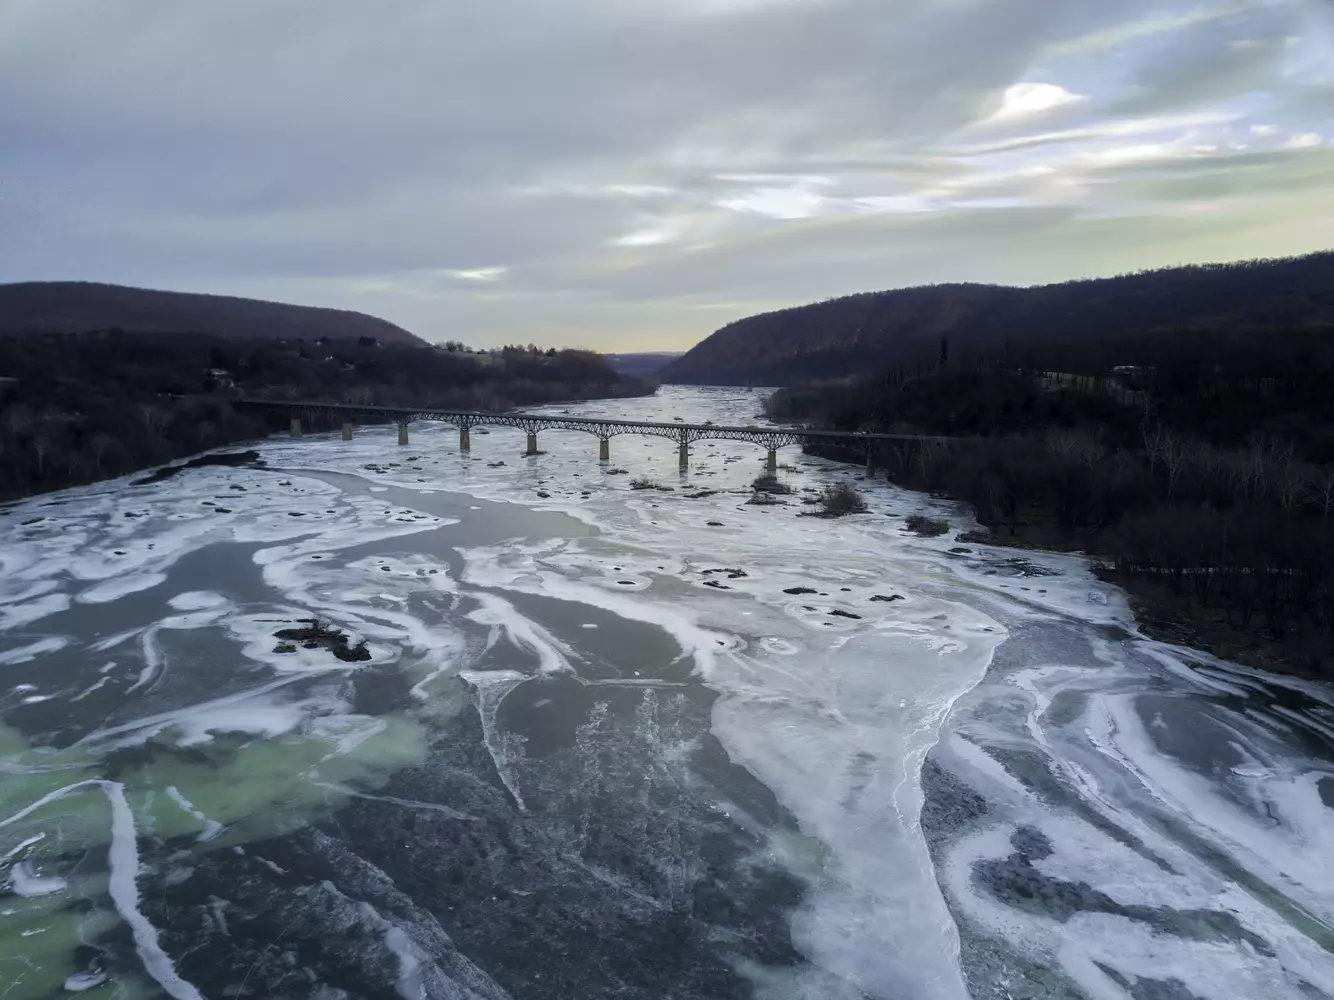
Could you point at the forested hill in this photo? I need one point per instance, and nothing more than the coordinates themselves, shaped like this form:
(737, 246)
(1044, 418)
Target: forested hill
(71, 307)
(848, 336)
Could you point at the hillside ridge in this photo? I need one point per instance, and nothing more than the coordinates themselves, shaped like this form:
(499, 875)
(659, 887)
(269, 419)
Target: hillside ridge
(844, 336)
(70, 307)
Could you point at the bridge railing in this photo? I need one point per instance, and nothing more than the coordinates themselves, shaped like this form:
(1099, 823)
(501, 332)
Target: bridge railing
(770, 437)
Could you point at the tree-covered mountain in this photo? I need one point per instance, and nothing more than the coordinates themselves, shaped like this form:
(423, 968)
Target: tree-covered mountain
(75, 307)
(851, 335)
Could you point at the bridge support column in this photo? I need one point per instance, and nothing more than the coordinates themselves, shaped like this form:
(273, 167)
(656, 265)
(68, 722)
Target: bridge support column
(402, 433)
(296, 427)
(684, 452)
(870, 465)
(771, 461)
(532, 445)
(604, 450)
(347, 432)
(465, 441)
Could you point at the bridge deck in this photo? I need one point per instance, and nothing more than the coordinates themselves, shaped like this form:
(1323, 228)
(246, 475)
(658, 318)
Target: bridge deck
(772, 436)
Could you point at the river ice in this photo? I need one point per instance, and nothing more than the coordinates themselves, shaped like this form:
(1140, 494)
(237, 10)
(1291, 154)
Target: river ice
(616, 742)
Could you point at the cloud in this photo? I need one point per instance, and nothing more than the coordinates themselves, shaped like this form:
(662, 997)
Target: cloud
(630, 173)
(1028, 100)
(480, 274)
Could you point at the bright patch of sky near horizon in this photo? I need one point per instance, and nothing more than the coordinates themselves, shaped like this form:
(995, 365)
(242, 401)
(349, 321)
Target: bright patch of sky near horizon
(630, 175)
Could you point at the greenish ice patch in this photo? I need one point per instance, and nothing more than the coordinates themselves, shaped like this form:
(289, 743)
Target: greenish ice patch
(186, 801)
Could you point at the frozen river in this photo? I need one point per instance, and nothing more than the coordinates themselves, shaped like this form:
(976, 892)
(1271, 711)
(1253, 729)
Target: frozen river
(622, 743)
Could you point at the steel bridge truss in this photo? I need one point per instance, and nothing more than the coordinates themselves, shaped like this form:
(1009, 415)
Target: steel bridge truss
(684, 434)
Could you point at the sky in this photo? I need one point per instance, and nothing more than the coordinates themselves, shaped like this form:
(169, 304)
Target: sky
(632, 174)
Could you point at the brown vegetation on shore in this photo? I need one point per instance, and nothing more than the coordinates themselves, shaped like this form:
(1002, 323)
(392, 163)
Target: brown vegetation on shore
(1204, 485)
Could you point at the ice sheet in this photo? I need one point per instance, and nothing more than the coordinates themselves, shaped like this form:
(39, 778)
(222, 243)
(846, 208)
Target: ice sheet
(844, 654)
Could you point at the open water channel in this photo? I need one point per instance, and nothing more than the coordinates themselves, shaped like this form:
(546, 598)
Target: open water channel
(622, 743)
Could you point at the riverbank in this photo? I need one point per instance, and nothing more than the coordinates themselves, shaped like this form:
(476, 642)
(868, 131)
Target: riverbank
(230, 428)
(1166, 613)
(84, 411)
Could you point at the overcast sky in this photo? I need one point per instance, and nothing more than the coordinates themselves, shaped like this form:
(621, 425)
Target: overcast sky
(632, 174)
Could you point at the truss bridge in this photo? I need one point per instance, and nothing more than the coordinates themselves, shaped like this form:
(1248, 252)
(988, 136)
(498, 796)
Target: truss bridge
(771, 438)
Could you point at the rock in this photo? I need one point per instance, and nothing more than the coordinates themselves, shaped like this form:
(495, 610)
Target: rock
(733, 573)
(839, 612)
(318, 635)
(960, 549)
(891, 597)
(714, 524)
(799, 590)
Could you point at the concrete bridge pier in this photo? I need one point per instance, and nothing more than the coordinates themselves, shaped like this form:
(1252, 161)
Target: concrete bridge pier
(532, 445)
(465, 440)
(771, 461)
(296, 427)
(403, 433)
(604, 450)
(347, 432)
(870, 465)
(684, 452)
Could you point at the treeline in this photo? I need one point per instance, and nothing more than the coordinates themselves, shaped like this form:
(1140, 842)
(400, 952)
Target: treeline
(77, 410)
(1201, 474)
(858, 333)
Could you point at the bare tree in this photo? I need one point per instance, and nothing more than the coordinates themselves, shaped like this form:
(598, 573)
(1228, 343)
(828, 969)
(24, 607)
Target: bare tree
(154, 418)
(1293, 483)
(42, 443)
(100, 445)
(1155, 440)
(1172, 452)
(1320, 490)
